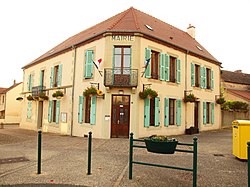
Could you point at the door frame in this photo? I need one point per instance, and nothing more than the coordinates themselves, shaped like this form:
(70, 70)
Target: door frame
(111, 121)
(196, 114)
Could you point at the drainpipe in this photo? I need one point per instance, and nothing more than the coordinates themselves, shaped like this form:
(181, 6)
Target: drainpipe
(186, 86)
(73, 90)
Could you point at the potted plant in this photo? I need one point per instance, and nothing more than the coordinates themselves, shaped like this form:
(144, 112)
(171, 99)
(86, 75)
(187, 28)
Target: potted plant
(190, 98)
(90, 91)
(43, 96)
(192, 130)
(148, 93)
(30, 98)
(161, 144)
(58, 94)
(220, 100)
(19, 98)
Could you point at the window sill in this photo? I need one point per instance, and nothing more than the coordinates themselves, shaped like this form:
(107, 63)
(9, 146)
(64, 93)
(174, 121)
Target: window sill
(53, 124)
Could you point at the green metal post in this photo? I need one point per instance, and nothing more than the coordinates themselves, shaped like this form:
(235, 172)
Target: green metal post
(248, 160)
(89, 153)
(39, 151)
(130, 155)
(195, 162)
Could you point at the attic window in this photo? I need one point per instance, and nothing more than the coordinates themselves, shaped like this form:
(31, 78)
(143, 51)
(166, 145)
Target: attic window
(148, 27)
(199, 48)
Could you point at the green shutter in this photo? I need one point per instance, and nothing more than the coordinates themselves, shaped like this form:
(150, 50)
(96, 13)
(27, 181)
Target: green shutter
(59, 77)
(88, 64)
(29, 82)
(80, 109)
(167, 73)
(57, 111)
(201, 76)
(157, 111)
(41, 79)
(166, 112)
(192, 74)
(178, 112)
(52, 77)
(204, 78)
(93, 110)
(178, 70)
(162, 66)
(146, 112)
(212, 113)
(148, 56)
(50, 111)
(212, 79)
(204, 113)
(29, 109)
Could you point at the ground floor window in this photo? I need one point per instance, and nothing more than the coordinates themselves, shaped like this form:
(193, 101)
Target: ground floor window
(87, 109)
(208, 113)
(151, 112)
(172, 111)
(54, 111)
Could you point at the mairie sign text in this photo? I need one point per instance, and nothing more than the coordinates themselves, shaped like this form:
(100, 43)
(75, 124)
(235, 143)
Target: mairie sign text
(122, 38)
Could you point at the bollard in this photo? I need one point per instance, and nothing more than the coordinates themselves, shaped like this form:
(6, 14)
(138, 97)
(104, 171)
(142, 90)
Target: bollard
(248, 160)
(89, 153)
(131, 155)
(195, 162)
(39, 151)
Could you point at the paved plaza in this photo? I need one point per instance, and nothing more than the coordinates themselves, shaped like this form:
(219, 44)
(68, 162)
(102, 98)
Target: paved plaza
(64, 162)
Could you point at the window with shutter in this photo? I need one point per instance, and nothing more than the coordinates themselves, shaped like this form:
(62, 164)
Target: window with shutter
(166, 112)
(157, 111)
(148, 68)
(162, 66)
(178, 112)
(93, 110)
(178, 71)
(167, 73)
(146, 112)
(89, 55)
(80, 109)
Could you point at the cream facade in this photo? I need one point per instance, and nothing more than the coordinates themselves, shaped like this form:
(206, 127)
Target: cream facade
(10, 108)
(121, 75)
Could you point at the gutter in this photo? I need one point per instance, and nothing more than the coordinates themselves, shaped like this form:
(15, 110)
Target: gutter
(73, 91)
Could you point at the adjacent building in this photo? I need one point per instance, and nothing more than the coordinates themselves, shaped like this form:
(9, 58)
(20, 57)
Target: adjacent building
(122, 56)
(10, 108)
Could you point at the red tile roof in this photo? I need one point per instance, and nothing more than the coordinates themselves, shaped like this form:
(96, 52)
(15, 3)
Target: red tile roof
(133, 20)
(234, 77)
(5, 90)
(245, 94)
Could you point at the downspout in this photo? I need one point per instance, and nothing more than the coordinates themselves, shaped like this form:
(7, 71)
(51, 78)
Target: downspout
(186, 86)
(73, 89)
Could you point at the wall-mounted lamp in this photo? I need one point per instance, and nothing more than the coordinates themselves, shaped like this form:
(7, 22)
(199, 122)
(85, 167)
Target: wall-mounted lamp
(121, 92)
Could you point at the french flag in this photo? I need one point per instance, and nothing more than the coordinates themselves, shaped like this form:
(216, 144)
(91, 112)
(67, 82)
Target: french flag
(146, 63)
(97, 64)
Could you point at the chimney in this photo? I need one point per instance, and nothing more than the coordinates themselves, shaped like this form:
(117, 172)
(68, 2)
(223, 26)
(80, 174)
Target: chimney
(14, 82)
(191, 31)
(238, 71)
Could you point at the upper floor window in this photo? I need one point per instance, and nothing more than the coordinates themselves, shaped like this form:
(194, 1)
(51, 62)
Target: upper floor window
(89, 56)
(122, 59)
(42, 78)
(162, 66)
(30, 82)
(56, 76)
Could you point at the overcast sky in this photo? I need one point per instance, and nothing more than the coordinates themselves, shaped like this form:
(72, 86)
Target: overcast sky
(29, 28)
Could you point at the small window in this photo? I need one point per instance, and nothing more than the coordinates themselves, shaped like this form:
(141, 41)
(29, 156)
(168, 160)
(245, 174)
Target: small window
(208, 73)
(197, 75)
(154, 65)
(149, 27)
(171, 111)
(172, 69)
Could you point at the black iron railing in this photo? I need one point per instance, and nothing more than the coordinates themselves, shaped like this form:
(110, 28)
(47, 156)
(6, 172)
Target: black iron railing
(37, 90)
(120, 77)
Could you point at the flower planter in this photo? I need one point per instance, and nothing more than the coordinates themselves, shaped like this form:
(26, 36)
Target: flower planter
(161, 147)
(192, 130)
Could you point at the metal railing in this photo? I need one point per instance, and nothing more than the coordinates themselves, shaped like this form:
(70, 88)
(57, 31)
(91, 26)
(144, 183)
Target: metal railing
(36, 90)
(120, 77)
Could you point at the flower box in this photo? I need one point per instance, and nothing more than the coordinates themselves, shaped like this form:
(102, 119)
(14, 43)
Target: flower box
(161, 145)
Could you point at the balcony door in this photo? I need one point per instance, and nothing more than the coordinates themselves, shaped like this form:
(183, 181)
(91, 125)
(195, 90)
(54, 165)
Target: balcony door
(122, 65)
(120, 116)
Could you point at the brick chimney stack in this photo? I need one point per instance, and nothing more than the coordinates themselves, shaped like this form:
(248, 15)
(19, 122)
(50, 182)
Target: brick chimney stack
(191, 31)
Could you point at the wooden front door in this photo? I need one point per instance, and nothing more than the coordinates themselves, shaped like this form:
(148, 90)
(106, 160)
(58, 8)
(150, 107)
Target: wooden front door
(120, 116)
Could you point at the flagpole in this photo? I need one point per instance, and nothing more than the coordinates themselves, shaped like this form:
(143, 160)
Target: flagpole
(146, 66)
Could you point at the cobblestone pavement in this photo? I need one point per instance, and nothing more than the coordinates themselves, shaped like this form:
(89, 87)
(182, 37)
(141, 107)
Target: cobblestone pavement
(64, 162)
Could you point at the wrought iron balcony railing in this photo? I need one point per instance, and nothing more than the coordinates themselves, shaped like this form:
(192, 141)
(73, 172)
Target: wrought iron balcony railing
(37, 90)
(120, 77)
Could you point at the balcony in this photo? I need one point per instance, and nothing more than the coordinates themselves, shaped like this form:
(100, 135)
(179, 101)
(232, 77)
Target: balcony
(120, 77)
(37, 90)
